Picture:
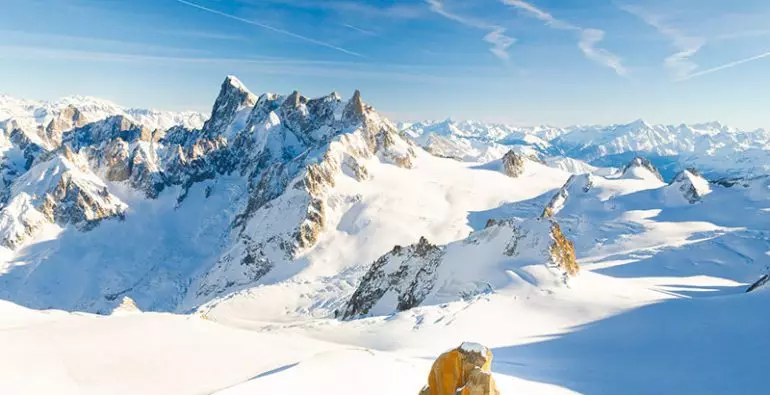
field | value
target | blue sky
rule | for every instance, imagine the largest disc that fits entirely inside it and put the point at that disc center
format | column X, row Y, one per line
column 525, row 62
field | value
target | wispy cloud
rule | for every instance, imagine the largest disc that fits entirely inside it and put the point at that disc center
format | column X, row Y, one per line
column 588, row 38
column 495, row 34
column 725, row 66
column 680, row 63
column 203, row 34
column 500, row 43
column 360, row 30
column 271, row 66
column 272, row 28
column 741, row 35
column 390, row 10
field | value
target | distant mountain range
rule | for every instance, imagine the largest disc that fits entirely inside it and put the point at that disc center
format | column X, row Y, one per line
column 715, row 149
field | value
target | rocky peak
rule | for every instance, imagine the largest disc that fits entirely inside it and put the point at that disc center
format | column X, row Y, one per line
column 233, row 97
column 68, row 118
column 355, row 109
column 266, row 103
column 575, row 185
column 102, row 132
column 513, row 164
column 638, row 163
column 407, row 272
column 691, row 184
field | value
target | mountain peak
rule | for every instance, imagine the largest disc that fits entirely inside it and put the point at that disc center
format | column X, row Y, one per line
column 233, row 97
column 691, row 184
column 355, row 109
column 632, row 168
column 235, row 82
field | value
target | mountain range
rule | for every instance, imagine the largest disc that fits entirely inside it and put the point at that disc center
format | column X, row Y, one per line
column 335, row 236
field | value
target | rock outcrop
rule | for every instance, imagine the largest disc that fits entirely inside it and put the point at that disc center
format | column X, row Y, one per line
column 465, row 370
column 60, row 191
column 126, row 306
column 575, row 186
column 638, row 167
column 233, row 98
column 513, row 164
column 67, row 119
column 409, row 273
column 761, row 283
column 423, row 273
column 691, row 185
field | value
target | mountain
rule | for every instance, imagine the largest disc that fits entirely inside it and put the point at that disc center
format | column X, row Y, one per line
column 533, row 252
column 715, row 149
column 274, row 159
column 285, row 241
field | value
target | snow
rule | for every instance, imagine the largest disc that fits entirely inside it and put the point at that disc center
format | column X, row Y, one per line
column 30, row 113
column 659, row 305
column 715, row 149
column 474, row 347
column 369, row 218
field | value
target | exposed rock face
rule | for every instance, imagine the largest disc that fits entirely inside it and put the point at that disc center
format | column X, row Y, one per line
column 98, row 133
column 513, row 164
column 233, row 98
column 423, row 273
column 67, row 119
column 563, row 251
column 30, row 149
column 761, row 283
column 282, row 156
column 575, row 186
column 407, row 272
column 126, row 306
column 18, row 220
column 692, row 186
column 292, row 150
column 630, row 171
column 56, row 191
column 120, row 150
column 465, row 370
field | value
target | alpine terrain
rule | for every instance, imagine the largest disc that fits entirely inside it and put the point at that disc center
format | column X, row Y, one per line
column 295, row 245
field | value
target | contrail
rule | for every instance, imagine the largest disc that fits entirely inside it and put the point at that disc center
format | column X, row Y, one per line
column 271, row 28
column 725, row 66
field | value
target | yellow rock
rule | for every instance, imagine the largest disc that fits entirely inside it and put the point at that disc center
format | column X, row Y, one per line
column 465, row 370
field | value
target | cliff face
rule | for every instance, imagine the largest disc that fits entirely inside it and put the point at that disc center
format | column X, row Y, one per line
column 291, row 151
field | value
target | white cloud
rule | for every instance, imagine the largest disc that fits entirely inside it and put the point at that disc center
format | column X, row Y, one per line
column 588, row 38
column 495, row 36
column 680, row 63
column 500, row 43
